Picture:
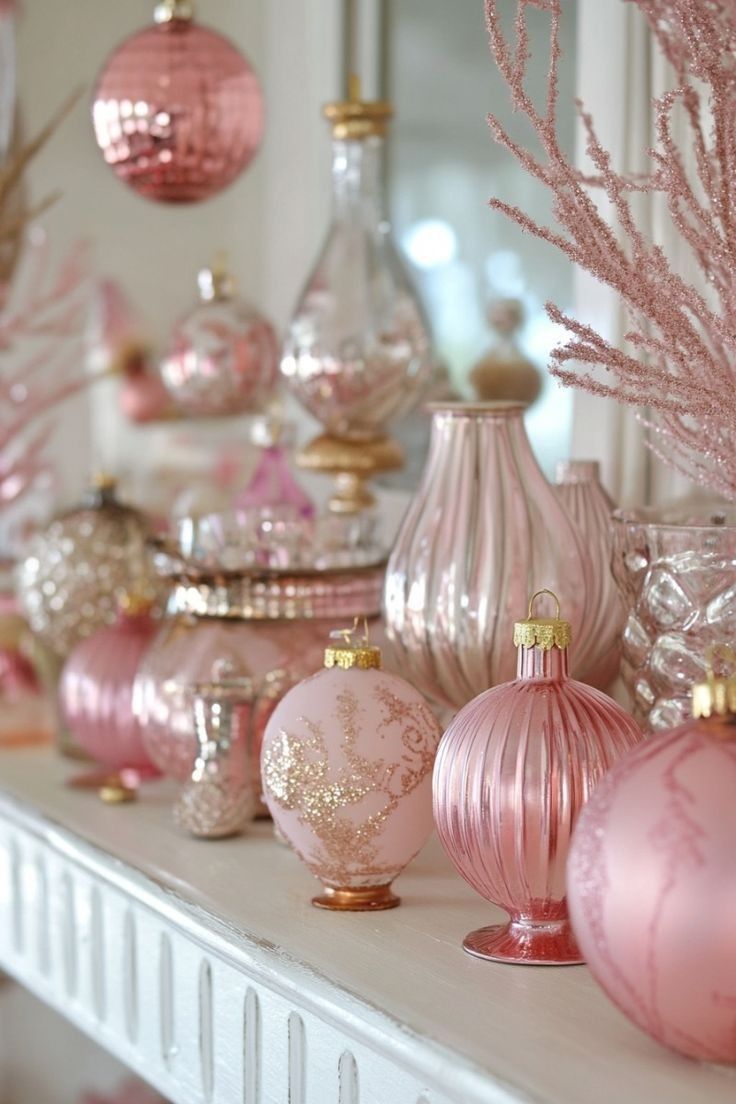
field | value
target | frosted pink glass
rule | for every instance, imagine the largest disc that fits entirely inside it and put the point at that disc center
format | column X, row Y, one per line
column 342, row 749
column 513, row 771
column 652, row 888
column 96, row 693
column 580, row 489
column 274, row 484
column 484, row 531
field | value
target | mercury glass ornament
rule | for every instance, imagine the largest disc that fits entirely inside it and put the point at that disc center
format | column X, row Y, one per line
column 219, row 799
column 357, row 353
column 483, row 528
column 579, row 487
column 513, row 771
column 347, row 764
column 651, row 879
column 177, row 110
column 76, row 570
column 222, row 356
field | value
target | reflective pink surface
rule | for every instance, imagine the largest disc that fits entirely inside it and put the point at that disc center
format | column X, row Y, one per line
column 96, row 691
column 513, row 771
column 274, row 484
column 177, row 112
column 579, row 488
column 652, row 888
column 484, row 531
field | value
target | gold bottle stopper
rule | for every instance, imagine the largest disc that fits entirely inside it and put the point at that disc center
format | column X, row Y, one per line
column 355, row 118
column 170, row 11
column 543, row 632
column 716, row 695
column 354, row 650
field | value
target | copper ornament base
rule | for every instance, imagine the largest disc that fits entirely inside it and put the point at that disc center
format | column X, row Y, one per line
column 352, row 463
column 540, row 944
column 367, row 899
column 112, row 788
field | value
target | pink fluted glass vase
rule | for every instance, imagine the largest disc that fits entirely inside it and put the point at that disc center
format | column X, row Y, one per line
column 483, row 531
column 512, row 773
column 579, row 487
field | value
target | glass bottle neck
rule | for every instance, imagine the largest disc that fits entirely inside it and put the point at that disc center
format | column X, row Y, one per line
column 538, row 663
column 358, row 180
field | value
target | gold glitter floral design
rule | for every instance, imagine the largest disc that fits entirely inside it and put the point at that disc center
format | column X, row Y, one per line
column 297, row 776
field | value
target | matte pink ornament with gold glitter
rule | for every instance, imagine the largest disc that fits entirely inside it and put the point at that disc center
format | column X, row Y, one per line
column 652, row 883
column 513, row 771
column 347, row 774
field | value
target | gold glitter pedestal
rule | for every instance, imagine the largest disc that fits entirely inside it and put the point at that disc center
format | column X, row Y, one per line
column 366, row 899
column 352, row 463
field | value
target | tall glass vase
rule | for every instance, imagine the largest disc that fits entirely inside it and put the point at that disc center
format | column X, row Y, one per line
column 484, row 531
column 578, row 485
column 677, row 573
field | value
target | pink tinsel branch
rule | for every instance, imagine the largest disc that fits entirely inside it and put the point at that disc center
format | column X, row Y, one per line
column 681, row 358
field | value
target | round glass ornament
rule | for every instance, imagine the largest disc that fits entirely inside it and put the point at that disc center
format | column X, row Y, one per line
column 651, row 878
column 177, row 110
column 346, row 765
column 513, row 771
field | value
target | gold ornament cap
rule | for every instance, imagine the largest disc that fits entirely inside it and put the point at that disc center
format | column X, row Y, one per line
column 716, row 695
column 216, row 284
column 353, row 651
column 543, row 632
column 173, row 11
column 355, row 118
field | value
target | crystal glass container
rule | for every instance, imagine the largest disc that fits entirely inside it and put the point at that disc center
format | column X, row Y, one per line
column 676, row 570
column 222, row 356
column 579, row 487
column 651, row 880
column 513, row 771
column 483, row 530
column 219, row 798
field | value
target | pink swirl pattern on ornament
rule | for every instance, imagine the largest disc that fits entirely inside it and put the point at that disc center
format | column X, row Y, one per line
column 650, row 888
column 513, row 771
column 177, row 112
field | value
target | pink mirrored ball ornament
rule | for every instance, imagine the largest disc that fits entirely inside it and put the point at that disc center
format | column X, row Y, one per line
column 347, row 766
column 96, row 690
column 513, row 771
column 652, row 877
column 177, row 110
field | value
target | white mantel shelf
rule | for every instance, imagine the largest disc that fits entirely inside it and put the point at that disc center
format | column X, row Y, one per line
column 203, row 967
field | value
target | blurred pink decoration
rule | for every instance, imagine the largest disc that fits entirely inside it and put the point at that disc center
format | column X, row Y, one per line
column 484, row 527
column 651, row 881
column 513, row 771
column 578, row 486
column 682, row 341
column 96, row 691
column 177, row 110
column 222, row 356
column 273, row 483
column 143, row 397
column 40, row 328
column 347, row 767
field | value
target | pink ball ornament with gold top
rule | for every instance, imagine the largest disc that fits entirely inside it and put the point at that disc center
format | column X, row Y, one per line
column 652, row 880
column 347, row 773
column 513, row 771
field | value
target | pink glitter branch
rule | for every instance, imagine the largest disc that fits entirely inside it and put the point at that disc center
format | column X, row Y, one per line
column 681, row 359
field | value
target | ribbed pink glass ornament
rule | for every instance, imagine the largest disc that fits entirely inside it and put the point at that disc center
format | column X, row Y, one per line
column 513, row 771
column 481, row 532
column 96, row 692
column 652, row 884
column 177, row 110
column 579, row 487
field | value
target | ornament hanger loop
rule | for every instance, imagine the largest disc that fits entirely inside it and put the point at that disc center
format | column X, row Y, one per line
column 348, row 636
column 553, row 596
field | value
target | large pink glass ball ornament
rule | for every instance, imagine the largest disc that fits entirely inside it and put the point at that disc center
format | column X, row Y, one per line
column 652, row 881
column 222, row 357
column 346, row 765
column 513, row 771
column 96, row 690
column 177, row 110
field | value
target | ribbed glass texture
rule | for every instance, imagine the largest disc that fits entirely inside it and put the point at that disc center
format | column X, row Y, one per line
column 579, row 487
column 96, row 693
column 512, row 773
column 177, row 112
column 483, row 532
